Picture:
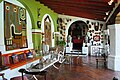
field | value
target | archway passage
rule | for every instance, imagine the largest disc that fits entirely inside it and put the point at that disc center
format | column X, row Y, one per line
column 78, row 31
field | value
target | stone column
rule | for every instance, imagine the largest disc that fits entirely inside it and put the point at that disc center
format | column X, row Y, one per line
column 114, row 57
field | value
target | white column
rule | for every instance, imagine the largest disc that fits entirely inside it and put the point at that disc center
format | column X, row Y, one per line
column 2, row 43
column 114, row 57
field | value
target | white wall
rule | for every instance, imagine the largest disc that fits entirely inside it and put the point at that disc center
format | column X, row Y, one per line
column 2, row 46
column 29, row 28
column 114, row 57
column 74, row 19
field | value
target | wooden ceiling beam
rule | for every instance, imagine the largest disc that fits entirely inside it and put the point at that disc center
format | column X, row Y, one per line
column 92, row 9
column 102, row 9
column 102, row 1
column 87, row 10
column 111, row 20
column 82, row 14
column 95, row 3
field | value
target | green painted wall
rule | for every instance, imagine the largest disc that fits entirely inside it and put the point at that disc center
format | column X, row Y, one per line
column 32, row 6
column 37, row 41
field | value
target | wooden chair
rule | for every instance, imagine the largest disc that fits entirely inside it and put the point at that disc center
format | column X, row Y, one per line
column 102, row 59
column 61, row 56
column 60, row 52
column 23, row 77
column 2, row 75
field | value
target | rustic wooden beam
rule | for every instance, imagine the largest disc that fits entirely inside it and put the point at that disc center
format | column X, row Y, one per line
column 105, row 9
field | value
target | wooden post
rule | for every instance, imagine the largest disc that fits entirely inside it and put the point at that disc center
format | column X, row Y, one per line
column 0, row 59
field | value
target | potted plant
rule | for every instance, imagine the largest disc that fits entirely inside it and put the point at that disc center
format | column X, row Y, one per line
column 60, row 44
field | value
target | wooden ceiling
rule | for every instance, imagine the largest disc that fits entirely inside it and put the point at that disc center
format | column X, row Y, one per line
column 91, row 9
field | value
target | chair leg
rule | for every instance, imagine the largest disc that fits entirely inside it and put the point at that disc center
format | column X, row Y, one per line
column 96, row 63
column 115, row 78
column 105, row 64
column 45, row 76
column 22, row 76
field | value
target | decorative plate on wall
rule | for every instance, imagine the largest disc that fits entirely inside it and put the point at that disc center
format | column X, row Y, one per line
column 96, row 38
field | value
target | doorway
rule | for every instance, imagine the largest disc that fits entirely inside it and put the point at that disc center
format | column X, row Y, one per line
column 77, row 31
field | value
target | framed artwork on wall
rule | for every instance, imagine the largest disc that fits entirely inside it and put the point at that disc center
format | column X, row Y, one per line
column 96, row 38
column 15, row 26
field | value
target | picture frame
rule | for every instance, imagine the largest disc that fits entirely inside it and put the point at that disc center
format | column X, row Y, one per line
column 96, row 38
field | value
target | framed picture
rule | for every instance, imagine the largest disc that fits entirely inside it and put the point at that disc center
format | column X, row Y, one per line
column 96, row 38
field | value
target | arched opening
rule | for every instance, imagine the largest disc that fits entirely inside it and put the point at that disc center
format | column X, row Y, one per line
column 47, row 31
column 77, row 31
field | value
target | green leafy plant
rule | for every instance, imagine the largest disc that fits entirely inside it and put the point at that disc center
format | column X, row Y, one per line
column 61, row 43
